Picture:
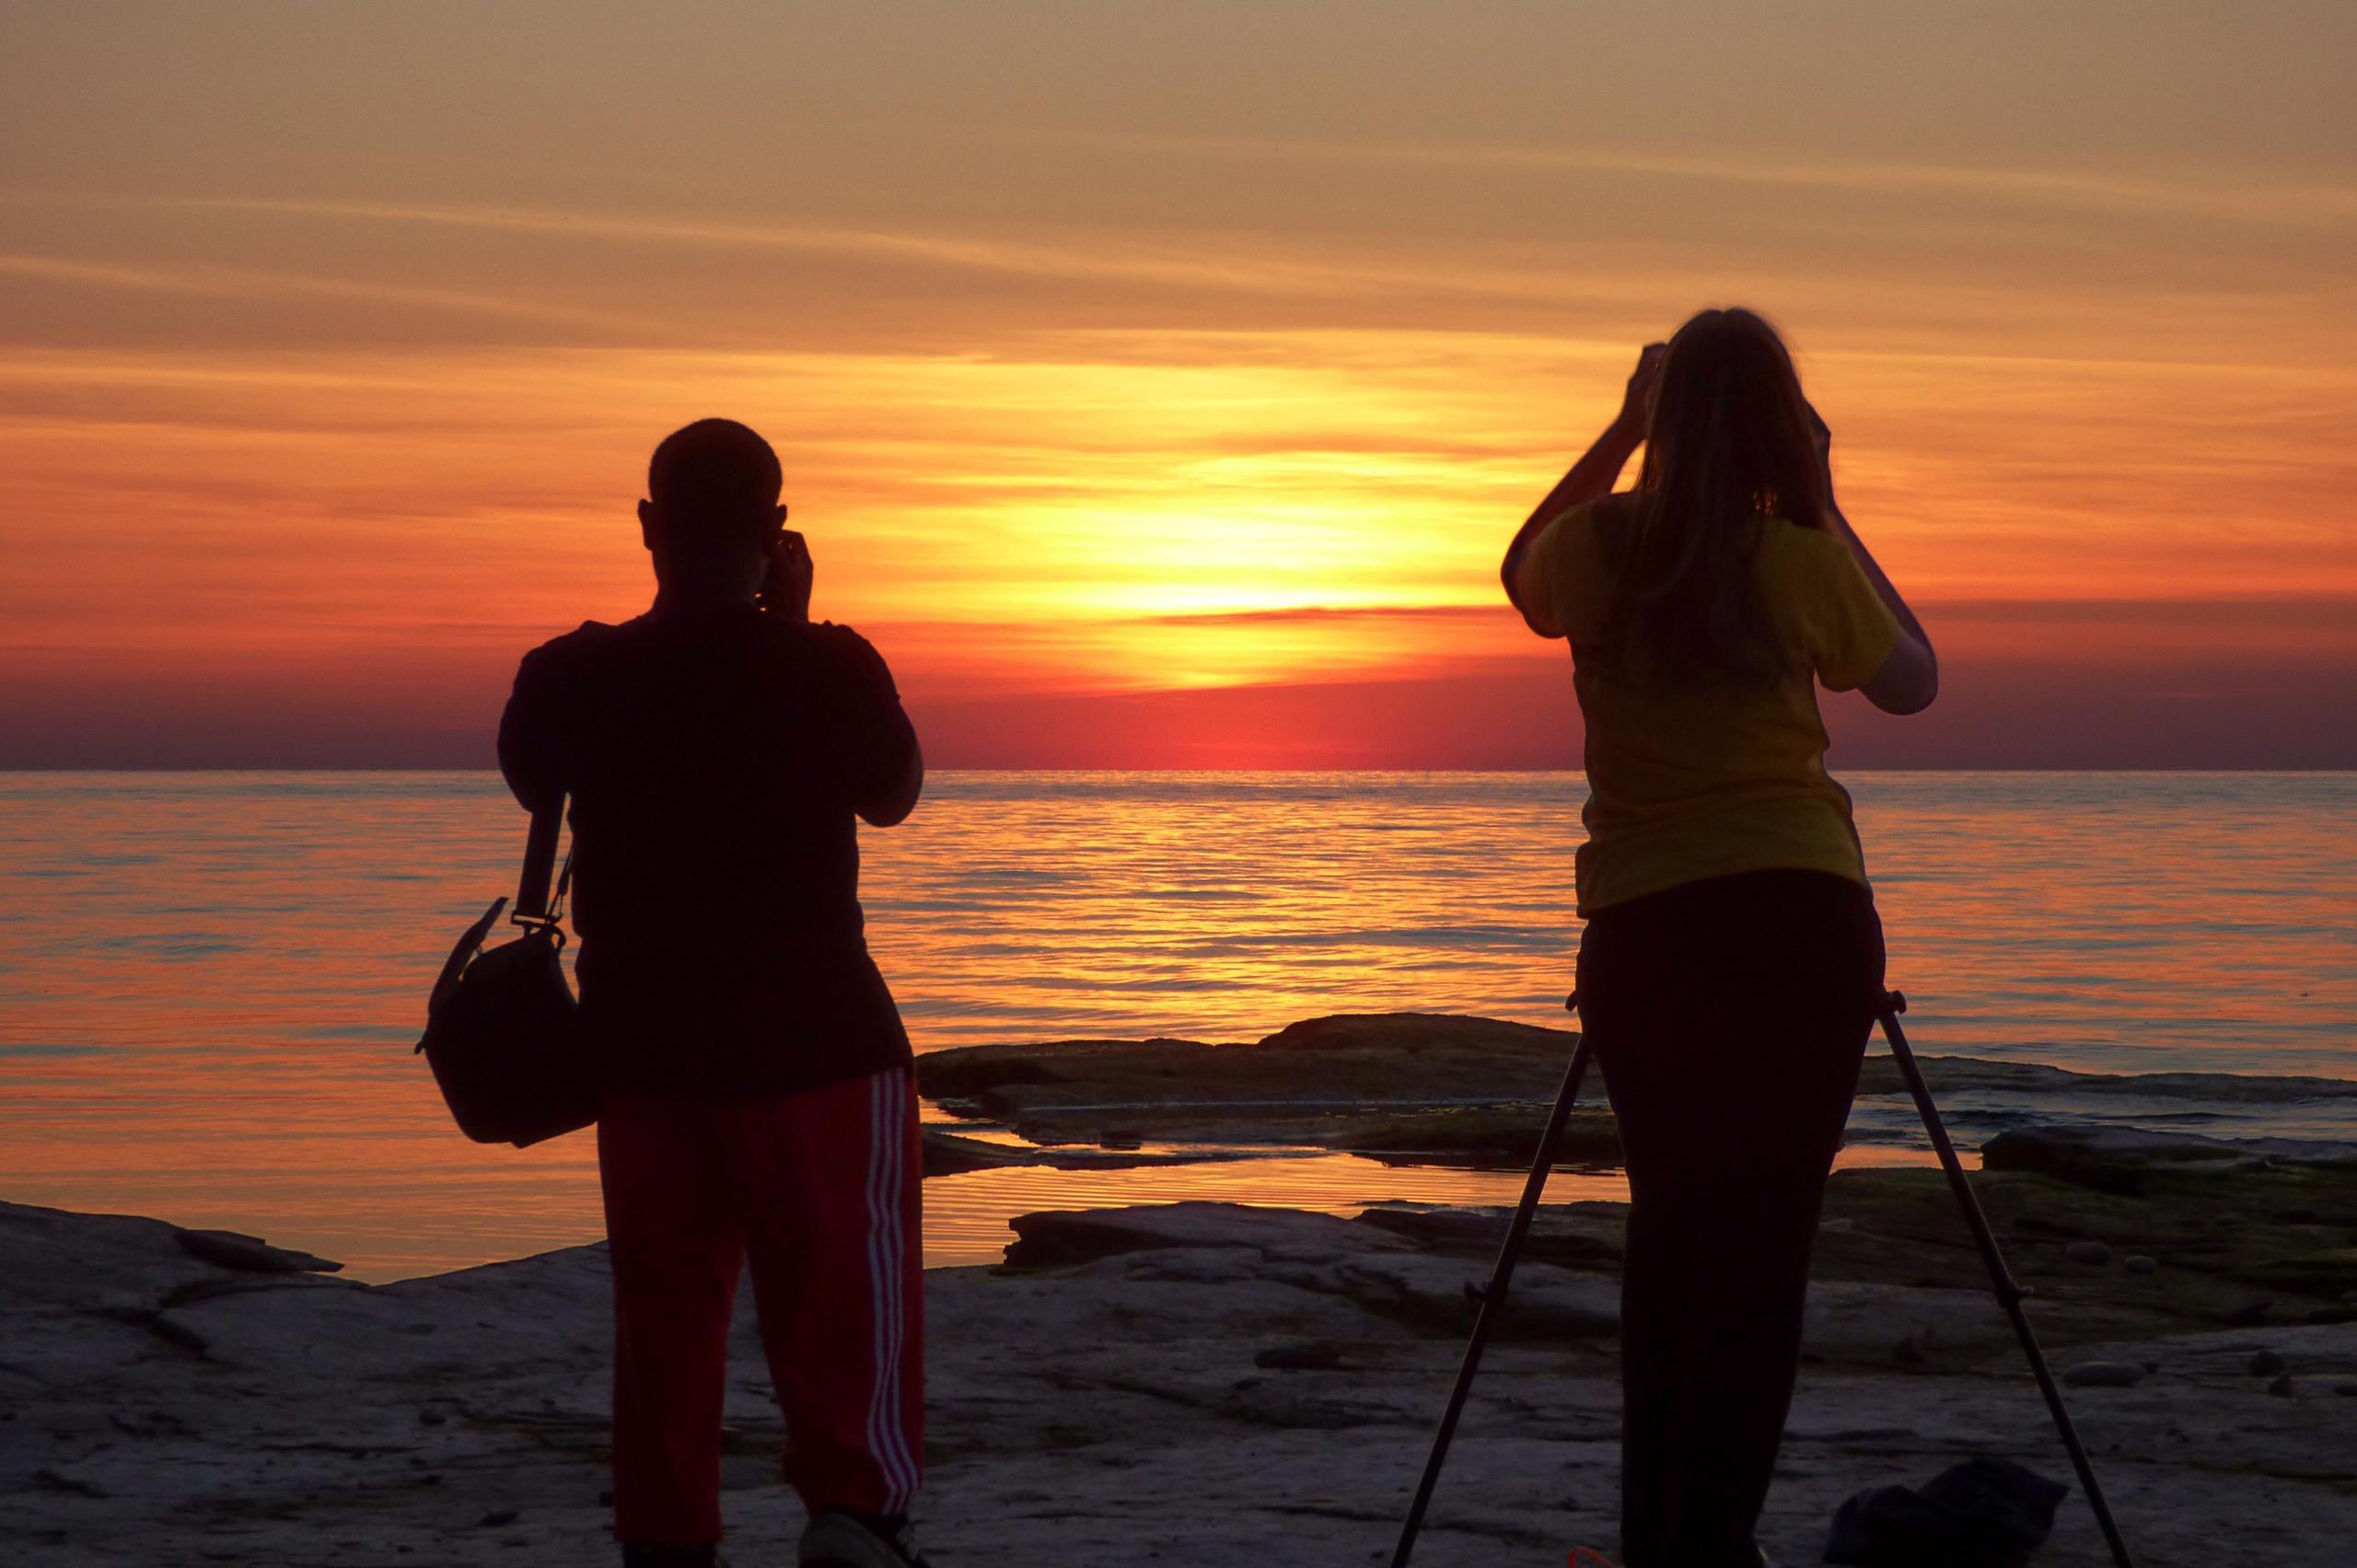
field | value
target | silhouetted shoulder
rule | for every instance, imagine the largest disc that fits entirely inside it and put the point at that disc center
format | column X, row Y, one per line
column 852, row 653
column 533, row 752
column 563, row 650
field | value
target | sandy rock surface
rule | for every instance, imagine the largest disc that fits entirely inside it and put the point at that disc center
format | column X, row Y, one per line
column 1210, row 1384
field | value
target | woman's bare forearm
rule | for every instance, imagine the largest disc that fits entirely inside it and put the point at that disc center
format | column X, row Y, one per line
column 1586, row 480
column 1874, row 575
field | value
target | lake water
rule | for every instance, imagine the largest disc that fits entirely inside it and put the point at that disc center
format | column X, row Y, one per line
column 210, row 982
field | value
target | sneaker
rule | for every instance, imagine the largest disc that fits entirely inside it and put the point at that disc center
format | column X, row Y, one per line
column 837, row 1538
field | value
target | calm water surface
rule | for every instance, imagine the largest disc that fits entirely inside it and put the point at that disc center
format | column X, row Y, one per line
column 209, row 983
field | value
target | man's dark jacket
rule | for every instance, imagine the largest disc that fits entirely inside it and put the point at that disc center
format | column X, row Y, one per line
column 715, row 759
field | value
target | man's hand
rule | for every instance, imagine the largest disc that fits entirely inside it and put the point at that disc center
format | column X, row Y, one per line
column 1637, row 403
column 786, row 590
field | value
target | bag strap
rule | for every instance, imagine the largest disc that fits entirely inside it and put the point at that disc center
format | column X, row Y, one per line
column 534, row 909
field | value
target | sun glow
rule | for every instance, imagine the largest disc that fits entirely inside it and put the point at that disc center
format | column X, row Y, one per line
column 1139, row 377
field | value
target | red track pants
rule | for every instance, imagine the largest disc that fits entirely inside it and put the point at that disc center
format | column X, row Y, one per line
column 821, row 1190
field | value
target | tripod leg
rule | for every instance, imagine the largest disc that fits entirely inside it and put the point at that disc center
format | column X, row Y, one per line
column 2008, row 1294
column 1493, row 1300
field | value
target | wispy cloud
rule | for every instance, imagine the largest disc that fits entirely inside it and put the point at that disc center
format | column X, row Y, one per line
column 1213, row 264
column 2253, row 197
column 239, row 283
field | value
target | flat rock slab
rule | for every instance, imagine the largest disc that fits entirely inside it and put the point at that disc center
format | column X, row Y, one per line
column 2126, row 1159
column 1315, row 1082
column 952, row 1153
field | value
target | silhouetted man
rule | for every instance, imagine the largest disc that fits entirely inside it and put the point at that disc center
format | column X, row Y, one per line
column 757, row 1097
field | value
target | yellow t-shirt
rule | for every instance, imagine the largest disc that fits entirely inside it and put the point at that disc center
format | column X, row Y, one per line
column 1684, row 785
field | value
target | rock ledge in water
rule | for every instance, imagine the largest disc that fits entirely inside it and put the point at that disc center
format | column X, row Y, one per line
column 2124, row 1159
column 252, row 1254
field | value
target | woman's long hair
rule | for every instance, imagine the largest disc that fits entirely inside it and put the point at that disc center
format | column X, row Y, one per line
column 1730, row 445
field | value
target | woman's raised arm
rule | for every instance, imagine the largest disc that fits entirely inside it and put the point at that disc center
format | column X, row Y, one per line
column 1592, row 475
column 1909, row 679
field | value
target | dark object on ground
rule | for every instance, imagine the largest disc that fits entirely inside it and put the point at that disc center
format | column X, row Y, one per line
column 235, row 1249
column 1981, row 1514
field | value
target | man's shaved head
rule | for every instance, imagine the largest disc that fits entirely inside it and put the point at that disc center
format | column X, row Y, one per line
column 711, row 513
column 712, row 471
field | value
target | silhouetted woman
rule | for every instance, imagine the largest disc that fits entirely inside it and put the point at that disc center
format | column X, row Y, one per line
column 1732, row 956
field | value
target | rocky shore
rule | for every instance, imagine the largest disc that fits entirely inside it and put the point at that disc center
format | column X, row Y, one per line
column 1196, row 1384
column 1191, row 1384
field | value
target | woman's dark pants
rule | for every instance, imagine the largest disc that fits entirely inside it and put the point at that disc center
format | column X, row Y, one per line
column 1729, row 1018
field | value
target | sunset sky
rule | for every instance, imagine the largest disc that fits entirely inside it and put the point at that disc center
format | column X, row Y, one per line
column 1158, row 383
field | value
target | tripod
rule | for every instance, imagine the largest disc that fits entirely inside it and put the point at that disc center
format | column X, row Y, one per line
column 1492, row 1296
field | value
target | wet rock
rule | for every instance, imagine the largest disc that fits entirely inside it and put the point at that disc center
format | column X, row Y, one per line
column 2139, row 1263
column 2104, row 1375
column 1907, row 1353
column 948, row 1153
column 2345, row 1389
column 2110, row 1159
column 2089, row 1252
column 1082, row 1236
column 2281, row 1386
column 952, row 1153
column 2129, row 1160
column 1495, row 1137
column 1406, row 1080
column 234, row 1250
column 497, row 1517
column 1969, row 1074
column 2265, row 1363
column 2249, row 1315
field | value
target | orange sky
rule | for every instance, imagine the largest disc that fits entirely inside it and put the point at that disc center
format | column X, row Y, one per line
column 1158, row 384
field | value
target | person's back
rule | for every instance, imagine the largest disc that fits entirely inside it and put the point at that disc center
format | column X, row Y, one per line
column 1691, row 781
column 757, row 1099
column 1733, row 959
column 716, row 757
